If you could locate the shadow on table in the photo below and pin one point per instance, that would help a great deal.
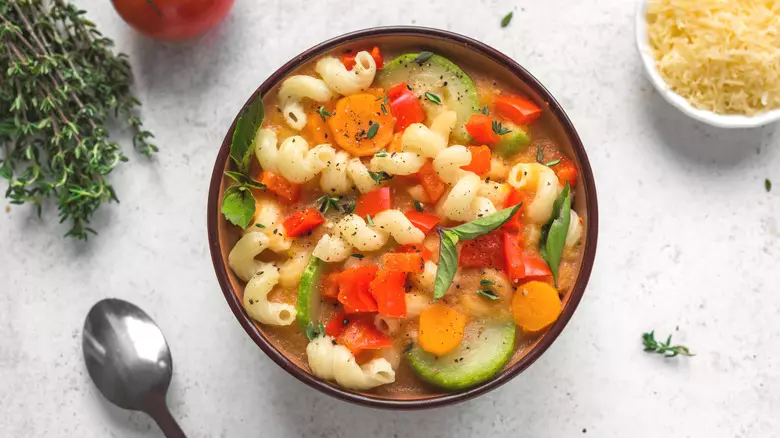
(702, 144)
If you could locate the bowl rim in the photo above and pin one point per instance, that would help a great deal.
(507, 374)
(729, 121)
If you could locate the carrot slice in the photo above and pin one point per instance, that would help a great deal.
(352, 124)
(441, 329)
(316, 130)
(535, 306)
(403, 262)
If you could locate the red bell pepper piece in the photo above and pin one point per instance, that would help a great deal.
(433, 185)
(566, 172)
(480, 160)
(348, 60)
(515, 197)
(513, 257)
(419, 249)
(486, 251)
(403, 262)
(480, 128)
(389, 292)
(354, 293)
(336, 324)
(373, 202)
(405, 106)
(361, 334)
(423, 221)
(535, 267)
(284, 190)
(302, 221)
(517, 109)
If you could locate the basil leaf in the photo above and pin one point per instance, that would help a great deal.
(238, 206)
(244, 134)
(448, 262)
(478, 227)
(554, 235)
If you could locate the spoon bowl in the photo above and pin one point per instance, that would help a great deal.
(129, 361)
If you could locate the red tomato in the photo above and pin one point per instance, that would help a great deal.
(389, 292)
(480, 128)
(485, 251)
(515, 197)
(536, 268)
(302, 221)
(336, 324)
(349, 59)
(423, 221)
(517, 109)
(354, 293)
(513, 257)
(373, 202)
(172, 19)
(361, 334)
(480, 160)
(566, 172)
(405, 106)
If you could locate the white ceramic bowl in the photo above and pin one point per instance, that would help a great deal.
(719, 120)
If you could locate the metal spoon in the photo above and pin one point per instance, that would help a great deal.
(129, 360)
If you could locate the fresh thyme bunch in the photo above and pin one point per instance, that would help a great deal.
(59, 84)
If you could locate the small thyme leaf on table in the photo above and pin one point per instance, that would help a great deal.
(664, 348)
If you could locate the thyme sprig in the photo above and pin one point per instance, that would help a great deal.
(61, 85)
(665, 348)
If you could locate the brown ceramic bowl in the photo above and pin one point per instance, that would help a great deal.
(460, 49)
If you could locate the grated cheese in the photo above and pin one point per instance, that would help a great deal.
(720, 55)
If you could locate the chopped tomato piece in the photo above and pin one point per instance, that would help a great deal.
(480, 160)
(348, 60)
(486, 251)
(423, 251)
(405, 106)
(515, 197)
(566, 172)
(302, 221)
(336, 324)
(403, 262)
(329, 286)
(377, 55)
(517, 109)
(373, 202)
(535, 267)
(423, 221)
(283, 189)
(389, 292)
(354, 293)
(361, 334)
(480, 128)
(433, 185)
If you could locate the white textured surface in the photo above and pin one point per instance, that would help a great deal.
(688, 238)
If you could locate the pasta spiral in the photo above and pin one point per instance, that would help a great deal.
(543, 181)
(293, 90)
(347, 82)
(330, 361)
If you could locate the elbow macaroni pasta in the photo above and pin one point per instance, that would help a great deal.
(297, 163)
(268, 213)
(335, 362)
(347, 82)
(543, 180)
(293, 90)
(574, 233)
(242, 257)
(256, 301)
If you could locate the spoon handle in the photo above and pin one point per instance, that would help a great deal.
(160, 413)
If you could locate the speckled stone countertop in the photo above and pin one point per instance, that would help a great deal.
(689, 244)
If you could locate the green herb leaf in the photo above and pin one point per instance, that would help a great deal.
(244, 134)
(448, 262)
(323, 112)
(553, 237)
(665, 348)
(313, 332)
(409, 347)
(768, 185)
(539, 155)
(326, 202)
(379, 176)
(499, 129)
(244, 180)
(487, 293)
(433, 98)
(418, 206)
(238, 205)
(372, 130)
(478, 227)
(485, 110)
(349, 206)
(507, 19)
(384, 109)
(369, 221)
(358, 256)
(552, 163)
(422, 57)
(382, 153)
(486, 283)
(260, 225)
